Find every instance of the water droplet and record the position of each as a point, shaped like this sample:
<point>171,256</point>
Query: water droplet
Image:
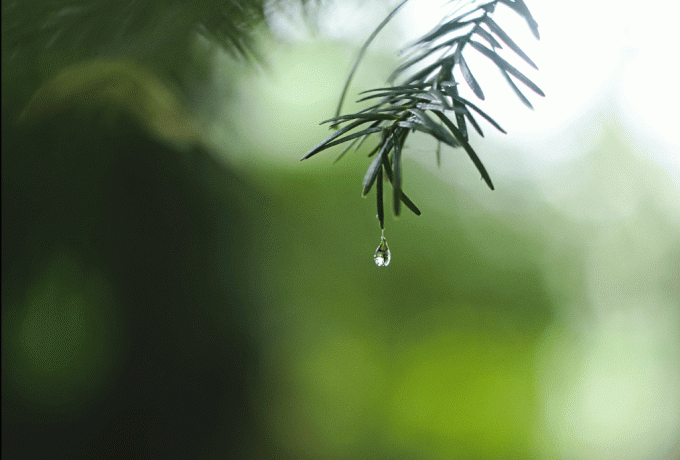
<point>382,254</point>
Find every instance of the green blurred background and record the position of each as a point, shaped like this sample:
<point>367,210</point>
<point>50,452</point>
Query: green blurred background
<point>541,320</point>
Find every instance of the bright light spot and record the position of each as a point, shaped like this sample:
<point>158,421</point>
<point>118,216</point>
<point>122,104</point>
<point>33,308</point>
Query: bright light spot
<point>584,60</point>
<point>648,95</point>
<point>620,398</point>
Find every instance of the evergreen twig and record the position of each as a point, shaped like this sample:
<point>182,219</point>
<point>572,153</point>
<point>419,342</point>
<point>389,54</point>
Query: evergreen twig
<point>432,90</point>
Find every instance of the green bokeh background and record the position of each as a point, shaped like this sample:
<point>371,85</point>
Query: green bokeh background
<point>509,324</point>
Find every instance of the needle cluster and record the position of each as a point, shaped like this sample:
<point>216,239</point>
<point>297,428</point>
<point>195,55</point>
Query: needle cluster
<point>427,98</point>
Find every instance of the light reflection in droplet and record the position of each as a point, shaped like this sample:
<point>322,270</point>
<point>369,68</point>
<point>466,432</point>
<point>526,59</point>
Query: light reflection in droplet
<point>382,254</point>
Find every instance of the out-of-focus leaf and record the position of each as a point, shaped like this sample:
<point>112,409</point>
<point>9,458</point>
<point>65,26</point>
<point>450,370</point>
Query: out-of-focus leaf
<point>362,51</point>
<point>118,83</point>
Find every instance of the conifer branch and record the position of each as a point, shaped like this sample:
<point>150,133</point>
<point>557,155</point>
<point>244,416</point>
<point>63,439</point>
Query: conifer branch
<point>424,92</point>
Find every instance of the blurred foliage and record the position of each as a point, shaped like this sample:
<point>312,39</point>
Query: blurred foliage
<point>125,316</point>
<point>120,84</point>
<point>41,38</point>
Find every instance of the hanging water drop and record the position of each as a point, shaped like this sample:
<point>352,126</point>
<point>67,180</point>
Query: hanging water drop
<point>382,254</point>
